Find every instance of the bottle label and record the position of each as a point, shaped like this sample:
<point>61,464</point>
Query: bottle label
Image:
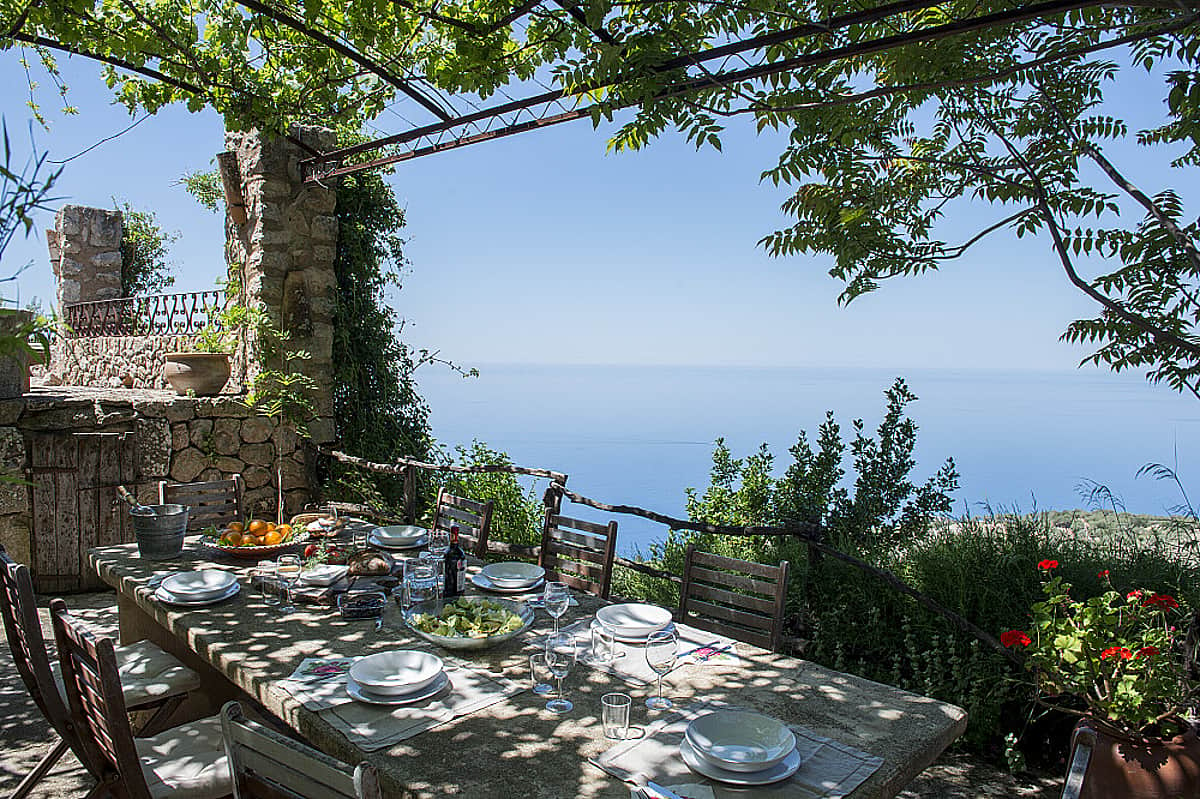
<point>462,576</point>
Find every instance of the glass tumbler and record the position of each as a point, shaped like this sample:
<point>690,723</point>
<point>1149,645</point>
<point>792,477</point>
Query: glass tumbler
<point>604,645</point>
<point>539,674</point>
<point>267,587</point>
<point>615,715</point>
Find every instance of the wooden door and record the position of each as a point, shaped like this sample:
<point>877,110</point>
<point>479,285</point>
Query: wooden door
<point>73,479</point>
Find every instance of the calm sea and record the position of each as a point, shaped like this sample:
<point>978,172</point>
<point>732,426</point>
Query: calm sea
<point>641,435</point>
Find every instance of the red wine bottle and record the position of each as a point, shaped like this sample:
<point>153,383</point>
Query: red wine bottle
<point>455,568</point>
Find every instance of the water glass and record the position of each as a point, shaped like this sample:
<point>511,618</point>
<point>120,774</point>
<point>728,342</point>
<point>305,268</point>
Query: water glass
<point>435,562</point>
<point>361,540</point>
<point>267,586</point>
<point>604,645</point>
<point>615,715</point>
<point>287,569</point>
<point>439,542</point>
<point>661,648</point>
<point>539,674</point>
<point>560,657</point>
<point>422,584</point>
<point>556,598</point>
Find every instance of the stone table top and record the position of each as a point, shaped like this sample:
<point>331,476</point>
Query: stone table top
<point>516,747</point>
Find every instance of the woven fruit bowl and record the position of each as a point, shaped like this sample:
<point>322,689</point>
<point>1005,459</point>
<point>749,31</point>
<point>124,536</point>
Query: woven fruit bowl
<point>267,539</point>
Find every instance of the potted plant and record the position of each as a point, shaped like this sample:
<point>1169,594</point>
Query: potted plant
<point>1122,663</point>
<point>203,370</point>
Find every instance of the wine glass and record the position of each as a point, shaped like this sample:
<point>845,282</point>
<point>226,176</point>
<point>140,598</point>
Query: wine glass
<point>439,542</point>
<point>660,657</point>
<point>560,656</point>
<point>556,598</point>
<point>287,570</point>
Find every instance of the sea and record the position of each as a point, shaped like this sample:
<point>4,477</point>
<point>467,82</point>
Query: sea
<point>642,435</point>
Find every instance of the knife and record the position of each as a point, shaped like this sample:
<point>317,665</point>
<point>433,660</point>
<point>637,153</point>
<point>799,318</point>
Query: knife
<point>665,793</point>
<point>698,648</point>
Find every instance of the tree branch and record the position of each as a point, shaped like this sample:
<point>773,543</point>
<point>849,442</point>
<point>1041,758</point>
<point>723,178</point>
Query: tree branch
<point>147,72</point>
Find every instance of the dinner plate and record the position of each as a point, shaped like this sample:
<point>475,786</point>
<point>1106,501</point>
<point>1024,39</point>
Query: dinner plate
<point>356,691</point>
<point>399,535</point>
<point>514,574</point>
<point>323,574</point>
<point>374,541</point>
<point>481,581</point>
<point>397,673</point>
<point>740,740</point>
<point>776,773</point>
<point>633,619</point>
<point>625,639</point>
<point>199,584</point>
<point>166,597</point>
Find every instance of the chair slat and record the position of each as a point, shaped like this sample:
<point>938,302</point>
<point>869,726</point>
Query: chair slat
<point>465,503</point>
<point>739,581</point>
<point>752,637</point>
<point>562,566</point>
<point>569,552</point>
<point>462,517</point>
<point>211,503</point>
<point>733,564</point>
<point>731,615</point>
<point>744,601</point>
<point>563,523</point>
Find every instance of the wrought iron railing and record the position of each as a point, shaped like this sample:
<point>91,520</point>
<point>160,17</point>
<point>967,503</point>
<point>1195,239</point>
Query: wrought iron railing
<point>152,315</point>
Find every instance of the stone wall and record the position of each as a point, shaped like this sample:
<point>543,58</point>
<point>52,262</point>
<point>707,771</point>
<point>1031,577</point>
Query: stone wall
<point>85,253</point>
<point>118,362</point>
<point>179,439</point>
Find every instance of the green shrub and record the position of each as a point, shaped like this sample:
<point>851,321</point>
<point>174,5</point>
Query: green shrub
<point>517,511</point>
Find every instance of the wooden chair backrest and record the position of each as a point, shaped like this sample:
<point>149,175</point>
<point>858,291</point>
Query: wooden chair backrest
<point>98,713</point>
<point>213,503</point>
<point>24,631</point>
<point>732,597</point>
<point>267,765</point>
<point>472,518</point>
<point>579,553</point>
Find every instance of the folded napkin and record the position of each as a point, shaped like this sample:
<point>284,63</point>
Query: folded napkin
<point>828,769</point>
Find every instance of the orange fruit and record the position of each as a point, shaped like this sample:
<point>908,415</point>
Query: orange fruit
<point>285,531</point>
<point>258,527</point>
<point>272,538</point>
<point>236,527</point>
<point>251,541</point>
<point>270,527</point>
<point>234,538</point>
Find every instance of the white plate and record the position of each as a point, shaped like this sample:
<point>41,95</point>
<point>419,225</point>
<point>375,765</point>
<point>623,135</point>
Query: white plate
<point>514,575</point>
<point>396,673</point>
<point>357,692</point>
<point>324,574</point>
<point>399,535</point>
<point>166,597</point>
<point>634,619</point>
<point>417,544</point>
<point>776,773</point>
<point>625,639</point>
<point>481,581</point>
<point>740,740</point>
<point>199,584</point>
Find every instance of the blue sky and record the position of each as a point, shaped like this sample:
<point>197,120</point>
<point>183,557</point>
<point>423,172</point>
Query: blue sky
<point>555,251</point>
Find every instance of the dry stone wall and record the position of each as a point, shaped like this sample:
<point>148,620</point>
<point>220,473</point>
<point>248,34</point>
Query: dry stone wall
<point>115,362</point>
<point>85,253</point>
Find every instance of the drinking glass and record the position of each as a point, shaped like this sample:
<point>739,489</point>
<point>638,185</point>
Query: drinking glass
<point>434,561</point>
<point>539,673</point>
<point>660,657</point>
<point>615,715</point>
<point>266,582</point>
<point>604,645</point>
<point>422,584</point>
<point>361,540</point>
<point>287,569</point>
<point>560,656</point>
<point>556,597</point>
<point>439,542</point>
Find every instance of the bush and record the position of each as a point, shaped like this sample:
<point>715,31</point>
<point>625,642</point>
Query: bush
<point>517,512</point>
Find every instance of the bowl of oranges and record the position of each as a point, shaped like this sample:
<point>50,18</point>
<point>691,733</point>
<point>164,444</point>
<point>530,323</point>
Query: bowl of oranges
<point>253,539</point>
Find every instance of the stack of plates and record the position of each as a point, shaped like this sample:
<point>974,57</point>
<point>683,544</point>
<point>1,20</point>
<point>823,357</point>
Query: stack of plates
<point>740,748</point>
<point>400,677</point>
<point>399,536</point>
<point>510,578</point>
<point>203,587</point>
<point>632,623</point>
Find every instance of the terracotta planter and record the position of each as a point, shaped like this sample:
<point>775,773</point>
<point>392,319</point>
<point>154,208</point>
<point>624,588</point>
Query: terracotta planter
<point>1139,768</point>
<point>202,373</point>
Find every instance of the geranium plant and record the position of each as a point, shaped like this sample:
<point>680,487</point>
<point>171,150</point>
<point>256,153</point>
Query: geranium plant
<point>1123,655</point>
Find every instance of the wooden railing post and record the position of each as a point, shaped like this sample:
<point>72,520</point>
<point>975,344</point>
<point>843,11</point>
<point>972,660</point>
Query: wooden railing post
<point>410,495</point>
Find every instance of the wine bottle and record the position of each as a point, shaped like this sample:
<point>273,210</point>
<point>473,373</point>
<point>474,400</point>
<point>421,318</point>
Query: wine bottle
<point>455,568</point>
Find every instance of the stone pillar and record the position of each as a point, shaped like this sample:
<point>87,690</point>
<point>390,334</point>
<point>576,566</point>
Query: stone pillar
<point>283,254</point>
<point>85,253</point>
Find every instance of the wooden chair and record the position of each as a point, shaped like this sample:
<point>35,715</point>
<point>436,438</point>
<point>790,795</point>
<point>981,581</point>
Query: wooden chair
<point>578,553</point>
<point>151,679</point>
<point>734,597</point>
<point>472,518</point>
<point>214,503</point>
<point>188,760</point>
<point>267,765</point>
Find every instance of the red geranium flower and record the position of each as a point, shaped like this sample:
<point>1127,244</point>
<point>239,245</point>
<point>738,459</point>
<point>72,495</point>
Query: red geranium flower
<point>1047,565</point>
<point>1116,651</point>
<point>1012,638</point>
<point>1103,575</point>
<point>1147,651</point>
<point>1134,594</point>
<point>1160,601</point>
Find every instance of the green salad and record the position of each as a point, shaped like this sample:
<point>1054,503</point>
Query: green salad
<point>463,618</point>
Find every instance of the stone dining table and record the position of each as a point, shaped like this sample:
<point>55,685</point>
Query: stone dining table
<point>244,648</point>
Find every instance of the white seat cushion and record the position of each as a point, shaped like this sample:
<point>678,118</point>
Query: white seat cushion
<point>186,762</point>
<point>147,674</point>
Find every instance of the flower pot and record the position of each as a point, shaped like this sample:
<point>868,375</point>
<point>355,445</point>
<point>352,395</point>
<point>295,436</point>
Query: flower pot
<point>14,368</point>
<point>200,373</point>
<point>1124,767</point>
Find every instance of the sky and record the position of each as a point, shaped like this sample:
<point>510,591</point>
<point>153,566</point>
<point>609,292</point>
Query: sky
<point>555,251</point>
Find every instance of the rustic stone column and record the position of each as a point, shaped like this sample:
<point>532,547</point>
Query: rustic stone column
<point>283,256</point>
<point>85,253</point>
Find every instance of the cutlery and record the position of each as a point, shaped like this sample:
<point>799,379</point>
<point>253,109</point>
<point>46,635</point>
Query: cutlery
<point>715,652</point>
<point>664,793</point>
<point>698,648</point>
